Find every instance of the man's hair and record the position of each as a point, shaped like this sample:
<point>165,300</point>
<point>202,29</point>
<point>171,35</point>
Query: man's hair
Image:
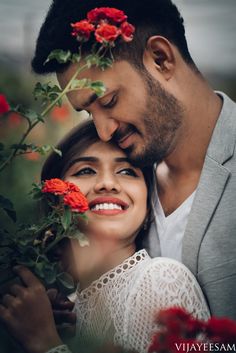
<point>150,17</point>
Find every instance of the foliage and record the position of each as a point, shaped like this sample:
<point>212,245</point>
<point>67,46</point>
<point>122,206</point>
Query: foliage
<point>35,245</point>
<point>31,245</point>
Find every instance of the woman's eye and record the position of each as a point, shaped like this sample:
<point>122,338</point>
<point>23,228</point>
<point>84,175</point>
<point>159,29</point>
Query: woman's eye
<point>128,171</point>
<point>111,103</point>
<point>84,171</point>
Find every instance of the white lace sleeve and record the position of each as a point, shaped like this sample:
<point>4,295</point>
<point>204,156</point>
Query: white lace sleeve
<point>59,349</point>
<point>163,283</point>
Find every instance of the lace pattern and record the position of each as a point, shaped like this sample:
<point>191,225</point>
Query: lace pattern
<point>59,349</point>
<point>121,305</point>
<point>113,274</point>
<point>96,303</point>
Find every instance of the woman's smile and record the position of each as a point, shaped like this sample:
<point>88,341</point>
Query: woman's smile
<point>109,206</point>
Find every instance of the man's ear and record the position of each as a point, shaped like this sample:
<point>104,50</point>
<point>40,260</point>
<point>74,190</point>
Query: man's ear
<point>159,56</point>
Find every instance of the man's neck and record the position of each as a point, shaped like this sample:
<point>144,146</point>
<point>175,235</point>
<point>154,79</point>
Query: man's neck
<point>201,114</point>
<point>178,175</point>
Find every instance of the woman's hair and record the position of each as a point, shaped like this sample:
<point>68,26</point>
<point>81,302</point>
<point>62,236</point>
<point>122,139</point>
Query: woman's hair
<point>76,142</point>
<point>150,17</point>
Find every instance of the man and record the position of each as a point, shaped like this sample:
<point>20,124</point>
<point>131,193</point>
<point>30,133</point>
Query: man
<point>159,108</point>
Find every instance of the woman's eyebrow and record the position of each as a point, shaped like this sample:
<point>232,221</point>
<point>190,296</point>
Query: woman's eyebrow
<point>83,159</point>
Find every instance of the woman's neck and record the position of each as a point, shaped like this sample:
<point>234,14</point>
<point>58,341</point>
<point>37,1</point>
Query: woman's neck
<point>91,262</point>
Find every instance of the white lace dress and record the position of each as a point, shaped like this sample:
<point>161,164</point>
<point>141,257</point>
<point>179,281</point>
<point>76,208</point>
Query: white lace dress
<point>121,305</point>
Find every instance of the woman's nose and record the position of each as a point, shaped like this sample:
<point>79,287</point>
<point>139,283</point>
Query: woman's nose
<point>107,183</point>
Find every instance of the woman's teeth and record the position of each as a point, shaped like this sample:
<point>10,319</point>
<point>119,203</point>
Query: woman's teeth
<point>106,206</point>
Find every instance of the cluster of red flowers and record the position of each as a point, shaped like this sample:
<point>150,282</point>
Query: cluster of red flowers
<point>72,196</point>
<point>179,329</point>
<point>4,106</point>
<point>107,23</point>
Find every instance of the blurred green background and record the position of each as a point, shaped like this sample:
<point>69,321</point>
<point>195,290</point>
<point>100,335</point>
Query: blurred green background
<point>210,31</point>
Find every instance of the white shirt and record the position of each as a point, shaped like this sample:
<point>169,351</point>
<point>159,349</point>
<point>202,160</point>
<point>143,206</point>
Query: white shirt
<point>170,229</point>
<point>166,234</point>
<point>121,306</point>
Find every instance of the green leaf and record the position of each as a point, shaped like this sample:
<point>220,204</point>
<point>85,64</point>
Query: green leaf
<point>47,93</point>
<point>59,55</point>
<point>91,60</point>
<point>36,192</point>
<point>1,146</point>
<point>104,63</point>
<point>75,58</point>
<point>44,149</point>
<point>8,207</point>
<point>57,151</point>
<point>66,218</point>
<point>98,87</point>
<point>29,114</point>
<point>50,274</point>
<point>79,84</point>
<point>65,282</point>
<point>23,147</point>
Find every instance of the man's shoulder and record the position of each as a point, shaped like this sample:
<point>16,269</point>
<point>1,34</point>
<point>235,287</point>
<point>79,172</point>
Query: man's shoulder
<point>222,144</point>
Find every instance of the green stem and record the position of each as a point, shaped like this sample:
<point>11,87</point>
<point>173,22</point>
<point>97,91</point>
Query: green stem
<point>22,140</point>
<point>43,114</point>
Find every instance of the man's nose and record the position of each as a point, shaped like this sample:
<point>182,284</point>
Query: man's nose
<point>105,126</point>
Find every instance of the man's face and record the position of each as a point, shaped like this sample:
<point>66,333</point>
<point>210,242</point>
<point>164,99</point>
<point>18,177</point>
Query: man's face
<point>135,111</point>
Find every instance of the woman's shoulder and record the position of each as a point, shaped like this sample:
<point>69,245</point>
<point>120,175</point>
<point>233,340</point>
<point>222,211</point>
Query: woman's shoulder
<point>166,267</point>
<point>165,282</point>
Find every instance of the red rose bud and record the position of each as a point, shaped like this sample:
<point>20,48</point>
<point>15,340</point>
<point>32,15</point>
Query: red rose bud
<point>76,201</point>
<point>55,186</point>
<point>110,14</point>
<point>106,33</point>
<point>127,31</point>
<point>4,106</point>
<point>82,30</point>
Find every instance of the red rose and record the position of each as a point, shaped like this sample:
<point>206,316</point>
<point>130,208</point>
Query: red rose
<point>77,201</point>
<point>106,13</point>
<point>4,106</point>
<point>106,33</point>
<point>71,186</point>
<point>55,186</point>
<point>82,29</point>
<point>222,330</point>
<point>127,31</point>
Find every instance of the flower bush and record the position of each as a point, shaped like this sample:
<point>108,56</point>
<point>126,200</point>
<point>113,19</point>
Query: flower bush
<point>178,331</point>
<point>32,245</point>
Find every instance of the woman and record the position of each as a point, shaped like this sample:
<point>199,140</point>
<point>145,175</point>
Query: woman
<point>120,289</point>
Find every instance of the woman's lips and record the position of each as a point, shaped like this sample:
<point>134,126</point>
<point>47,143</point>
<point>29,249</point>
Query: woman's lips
<point>108,206</point>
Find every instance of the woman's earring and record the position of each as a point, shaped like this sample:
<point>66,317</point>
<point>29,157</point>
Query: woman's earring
<point>145,224</point>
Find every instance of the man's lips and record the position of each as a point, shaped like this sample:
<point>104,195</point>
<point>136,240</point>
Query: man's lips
<point>108,205</point>
<point>125,141</point>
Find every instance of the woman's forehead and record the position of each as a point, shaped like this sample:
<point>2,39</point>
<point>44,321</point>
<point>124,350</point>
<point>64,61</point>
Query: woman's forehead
<point>101,147</point>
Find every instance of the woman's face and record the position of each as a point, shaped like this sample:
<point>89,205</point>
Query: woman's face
<point>116,191</point>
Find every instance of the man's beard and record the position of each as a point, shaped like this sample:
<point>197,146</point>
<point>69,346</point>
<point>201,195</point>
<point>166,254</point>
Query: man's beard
<point>162,117</point>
